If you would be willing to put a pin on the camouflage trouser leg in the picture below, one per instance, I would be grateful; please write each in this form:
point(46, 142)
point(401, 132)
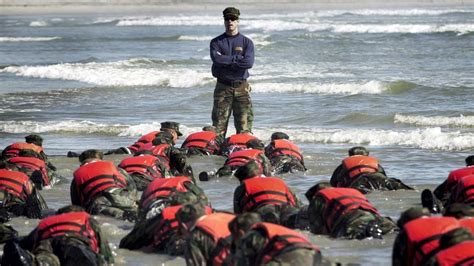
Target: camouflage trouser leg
point(44, 254)
point(227, 100)
point(113, 204)
point(242, 108)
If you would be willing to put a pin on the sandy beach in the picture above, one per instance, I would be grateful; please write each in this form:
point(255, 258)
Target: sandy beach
point(141, 7)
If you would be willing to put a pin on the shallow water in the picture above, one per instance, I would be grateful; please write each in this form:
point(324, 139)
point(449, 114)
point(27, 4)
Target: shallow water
point(397, 81)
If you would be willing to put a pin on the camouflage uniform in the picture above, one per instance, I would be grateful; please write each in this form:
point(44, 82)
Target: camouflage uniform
point(228, 99)
point(253, 244)
point(57, 251)
point(366, 182)
point(32, 207)
point(144, 230)
point(116, 202)
point(353, 224)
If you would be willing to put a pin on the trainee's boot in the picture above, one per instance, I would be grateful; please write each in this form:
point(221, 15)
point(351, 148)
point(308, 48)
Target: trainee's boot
point(80, 255)
point(428, 200)
point(206, 176)
point(15, 255)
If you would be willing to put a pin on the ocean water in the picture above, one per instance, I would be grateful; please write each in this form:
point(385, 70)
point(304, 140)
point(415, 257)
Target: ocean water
point(398, 81)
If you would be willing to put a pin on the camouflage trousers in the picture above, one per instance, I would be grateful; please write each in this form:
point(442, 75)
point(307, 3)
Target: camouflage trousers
point(236, 100)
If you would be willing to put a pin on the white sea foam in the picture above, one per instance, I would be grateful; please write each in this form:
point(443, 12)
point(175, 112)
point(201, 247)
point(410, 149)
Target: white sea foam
point(19, 111)
point(309, 21)
point(133, 72)
point(392, 12)
point(194, 38)
point(403, 28)
point(171, 21)
point(59, 126)
point(28, 39)
point(370, 87)
point(461, 121)
point(141, 129)
point(429, 138)
point(40, 23)
point(258, 39)
point(313, 26)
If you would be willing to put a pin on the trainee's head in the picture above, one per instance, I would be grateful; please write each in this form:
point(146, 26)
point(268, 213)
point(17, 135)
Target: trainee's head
point(358, 150)
point(164, 137)
point(248, 170)
point(35, 139)
point(279, 135)
point(255, 144)
point(470, 160)
point(173, 128)
point(209, 128)
point(412, 214)
point(189, 214)
point(242, 223)
point(90, 155)
point(70, 208)
point(316, 188)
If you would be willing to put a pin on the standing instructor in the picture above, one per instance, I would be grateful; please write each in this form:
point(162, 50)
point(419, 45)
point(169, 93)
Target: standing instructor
point(232, 55)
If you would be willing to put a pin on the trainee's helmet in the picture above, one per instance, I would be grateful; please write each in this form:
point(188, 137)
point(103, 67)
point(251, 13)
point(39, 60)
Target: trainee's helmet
point(35, 139)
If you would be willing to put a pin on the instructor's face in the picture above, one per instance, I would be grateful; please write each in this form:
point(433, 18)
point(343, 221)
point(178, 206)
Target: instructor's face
point(231, 24)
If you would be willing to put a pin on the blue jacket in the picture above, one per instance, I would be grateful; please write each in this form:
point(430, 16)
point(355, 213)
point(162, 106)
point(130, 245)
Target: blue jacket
point(231, 56)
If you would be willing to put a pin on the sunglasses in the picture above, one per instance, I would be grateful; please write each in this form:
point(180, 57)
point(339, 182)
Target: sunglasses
point(230, 18)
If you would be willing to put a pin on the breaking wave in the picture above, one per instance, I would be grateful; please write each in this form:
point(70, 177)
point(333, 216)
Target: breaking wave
point(370, 87)
point(461, 121)
point(28, 39)
point(429, 138)
point(133, 72)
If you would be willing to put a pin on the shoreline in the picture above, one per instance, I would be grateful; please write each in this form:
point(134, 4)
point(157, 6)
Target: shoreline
point(165, 7)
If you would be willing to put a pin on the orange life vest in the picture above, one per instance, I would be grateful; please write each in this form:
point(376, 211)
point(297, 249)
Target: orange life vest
point(143, 164)
point(147, 138)
point(168, 225)
point(241, 157)
point(203, 140)
point(423, 236)
point(34, 164)
point(68, 224)
point(163, 188)
point(14, 182)
point(340, 201)
point(464, 190)
point(278, 239)
point(456, 175)
point(155, 150)
point(461, 254)
point(285, 147)
point(14, 149)
point(95, 177)
point(359, 164)
point(266, 191)
point(238, 141)
point(216, 226)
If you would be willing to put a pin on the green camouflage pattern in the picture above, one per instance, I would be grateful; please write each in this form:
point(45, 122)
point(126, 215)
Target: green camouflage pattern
point(228, 100)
